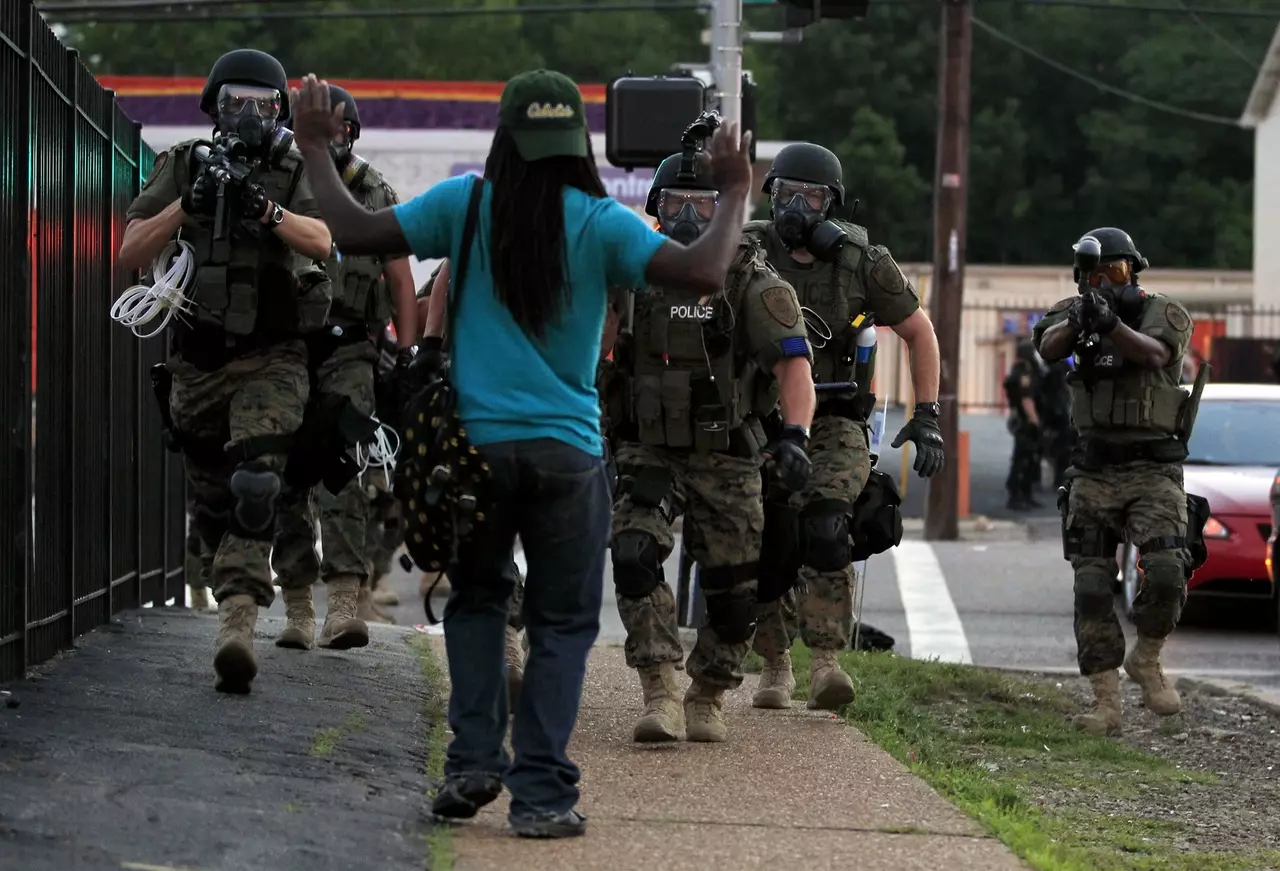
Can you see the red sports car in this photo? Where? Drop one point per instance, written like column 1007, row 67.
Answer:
column 1233, row 461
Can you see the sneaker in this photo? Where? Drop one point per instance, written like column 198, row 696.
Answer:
column 545, row 824
column 463, row 795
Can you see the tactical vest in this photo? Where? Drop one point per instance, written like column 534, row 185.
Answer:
column 1124, row 399
column 690, row 386
column 250, row 280
column 360, row 292
column 835, row 293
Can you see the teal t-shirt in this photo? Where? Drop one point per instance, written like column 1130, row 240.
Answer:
column 512, row 387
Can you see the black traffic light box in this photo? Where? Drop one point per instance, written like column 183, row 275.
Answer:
column 802, row 13
column 645, row 117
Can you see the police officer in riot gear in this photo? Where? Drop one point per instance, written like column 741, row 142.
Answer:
column 697, row 377
column 1125, row 481
column 1022, row 387
column 236, row 385
column 847, row 286
column 368, row 291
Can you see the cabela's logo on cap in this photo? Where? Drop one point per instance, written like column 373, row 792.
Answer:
column 546, row 110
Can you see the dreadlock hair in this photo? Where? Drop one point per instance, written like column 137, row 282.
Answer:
column 527, row 254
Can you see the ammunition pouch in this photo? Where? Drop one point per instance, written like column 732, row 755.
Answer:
column 315, row 291
column 876, row 523
column 1094, row 454
column 780, row 556
column 331, row 426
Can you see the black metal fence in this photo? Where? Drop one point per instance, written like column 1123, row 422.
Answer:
column 91, row 505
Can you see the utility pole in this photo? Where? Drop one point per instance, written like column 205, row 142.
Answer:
column 726, row 65
column 950, row 212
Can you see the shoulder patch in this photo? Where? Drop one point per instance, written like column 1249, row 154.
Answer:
column 1060, row 306
column 1026, row 381
column 162, row 160
column 885, row 273
column 780, row 302
column 1177, row 316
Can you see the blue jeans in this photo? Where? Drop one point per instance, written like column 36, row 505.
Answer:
column 556, row 498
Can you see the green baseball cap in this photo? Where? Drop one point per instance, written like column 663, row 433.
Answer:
column 543, row 110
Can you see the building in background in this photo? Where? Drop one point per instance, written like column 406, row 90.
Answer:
column 1261, row 115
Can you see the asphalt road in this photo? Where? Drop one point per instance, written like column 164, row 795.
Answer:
column 1003, row 600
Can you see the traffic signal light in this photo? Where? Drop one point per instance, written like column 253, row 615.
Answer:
column 802, row 13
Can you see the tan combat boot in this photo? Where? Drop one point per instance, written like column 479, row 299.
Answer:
column 777, row 683
column 515, row 668
column 663, row 718
column 1143, row 667
column 367, row 611
column 300, row 612
column 342, row 628
column 199, row 598
column 829, row 687
column 1105, row 718
column 234, row 662
column 383, row 594
column 704, row 713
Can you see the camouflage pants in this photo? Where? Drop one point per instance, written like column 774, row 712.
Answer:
column 1142, row 502
column 385, row 530
column 723, row 520
column 820, row 609
column 194, row 568
column 259, row 394
column 344, row 517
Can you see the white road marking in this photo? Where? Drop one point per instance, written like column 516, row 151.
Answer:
column 933, row 624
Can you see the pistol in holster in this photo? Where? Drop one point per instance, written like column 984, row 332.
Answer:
column 162, row 386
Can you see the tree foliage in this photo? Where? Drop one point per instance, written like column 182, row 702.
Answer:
column 1051, row 154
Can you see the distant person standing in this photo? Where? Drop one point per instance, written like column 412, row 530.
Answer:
column 1054, row 406
column 1022, row 386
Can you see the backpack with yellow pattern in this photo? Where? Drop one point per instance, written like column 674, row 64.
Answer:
column 442, row 481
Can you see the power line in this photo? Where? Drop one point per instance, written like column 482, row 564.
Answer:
column 1103, row 86
column 81, row 13
column 1231, row 46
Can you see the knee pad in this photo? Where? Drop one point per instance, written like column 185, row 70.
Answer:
column 1165, row 574
column 731, row 610
column 824, row 535
column 1093, row 597
column 255, row 488
column 637, row 563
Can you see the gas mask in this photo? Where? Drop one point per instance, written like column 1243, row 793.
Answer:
column 798, row 208
column 1114, row 282
column 250, row 113
column 684, row 214
column 351, row 166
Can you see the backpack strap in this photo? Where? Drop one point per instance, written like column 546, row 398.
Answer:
column 464, row 254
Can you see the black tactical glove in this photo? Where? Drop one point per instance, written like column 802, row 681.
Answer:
column 201, row 198
column 791, row 464
column 430, row 359
column 254, row 202
column 1097, row 315
column 923, row 430
column 1075, row 314
column 402, row 379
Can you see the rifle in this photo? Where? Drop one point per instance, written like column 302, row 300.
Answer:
column 1088, row 254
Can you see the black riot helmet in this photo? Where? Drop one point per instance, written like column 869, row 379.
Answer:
column 1026, row 350
column 350, row 113
column 1115, row 244
column 247, row 96
column 245, row 66
column 683, row 208
column 805, row 161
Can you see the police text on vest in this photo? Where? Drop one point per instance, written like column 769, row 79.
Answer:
column 692, row 312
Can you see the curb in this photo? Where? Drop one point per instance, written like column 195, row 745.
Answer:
column 1265, row 699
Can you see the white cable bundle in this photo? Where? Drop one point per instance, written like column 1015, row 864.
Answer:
column 381, row 454
column 141, row 304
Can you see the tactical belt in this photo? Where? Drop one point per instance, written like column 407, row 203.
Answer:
column 1164, row 542
column 858, row 409
column 210, row 349
column 1095, row 453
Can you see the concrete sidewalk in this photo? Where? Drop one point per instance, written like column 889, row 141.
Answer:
column 120, row 755
column 790, row 789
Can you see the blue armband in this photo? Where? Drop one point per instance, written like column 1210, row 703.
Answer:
column 794, row 346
